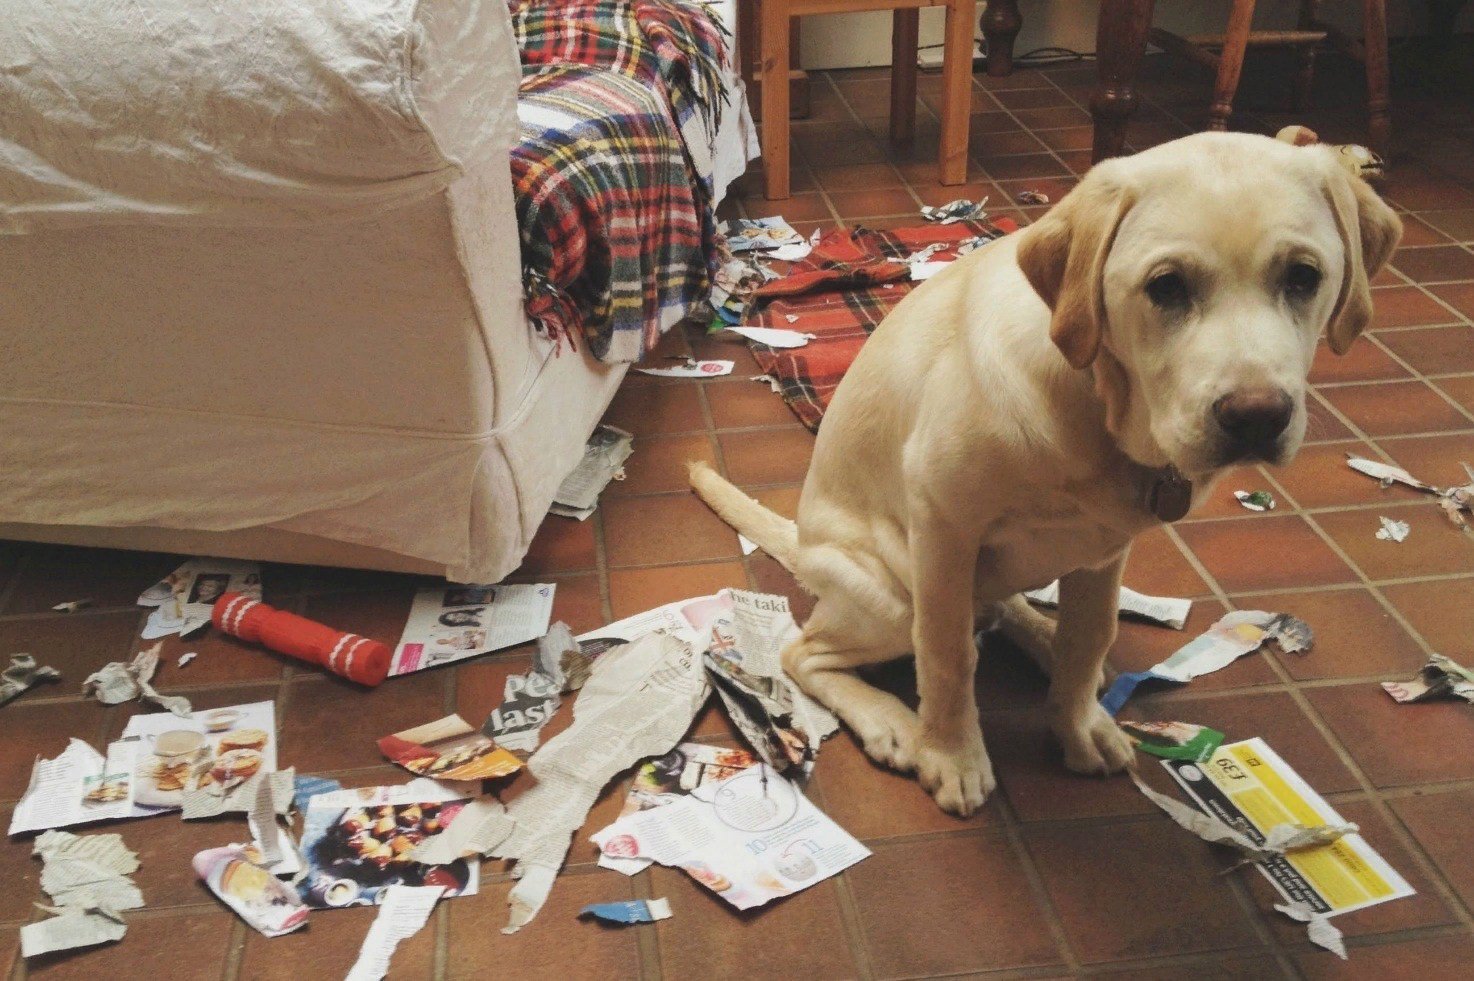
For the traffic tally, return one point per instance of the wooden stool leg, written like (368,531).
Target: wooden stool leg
(1304,57)
(1231,63)
(1001,23)
(775,55)
(1379,102)
(905,35)
(1120,44)
(956,90)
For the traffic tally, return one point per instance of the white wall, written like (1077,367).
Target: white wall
(852,40)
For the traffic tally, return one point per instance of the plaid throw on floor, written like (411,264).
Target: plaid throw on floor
(613,240)
(613,172)
(841,293)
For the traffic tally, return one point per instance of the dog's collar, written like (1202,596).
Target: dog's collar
(1169,494)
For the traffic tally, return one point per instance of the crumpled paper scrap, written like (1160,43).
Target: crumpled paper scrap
(1440,676)
(116,682)
(87,880)
(1259,500)
(403,912)
(216,798)
(1453,500)
(22,675)
(954,211)
(1392,530)
(1322,932)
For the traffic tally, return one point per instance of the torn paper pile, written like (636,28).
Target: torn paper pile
(267,904)
(1234,635)
(358,843)
(1438,678)
(1453,500)
(183,600)
(451,623)
(1306,850)
(530,700)
(449,749)
(759,234)
(750,839)
(1166,610)
(89,885)
(116,682)
(603,460)
(23,675)
(403,913)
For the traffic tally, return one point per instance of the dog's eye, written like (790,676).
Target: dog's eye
(1302,279)
(1167,290)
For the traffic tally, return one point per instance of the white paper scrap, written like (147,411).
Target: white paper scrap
(403,913)
(451,623)
(926,270)
(72,606)
(1391,530)
(1385,473)
(117,682)
(87,879)
(748,545)
(774,336)
(1322,932)
(602,461)
(1166,610)
(22,676)
(692,369)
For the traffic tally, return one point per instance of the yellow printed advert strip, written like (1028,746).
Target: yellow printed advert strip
(1248,785)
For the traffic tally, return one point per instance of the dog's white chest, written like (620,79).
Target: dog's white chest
(1025,552)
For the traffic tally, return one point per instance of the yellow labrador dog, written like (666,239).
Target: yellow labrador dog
(1029,410)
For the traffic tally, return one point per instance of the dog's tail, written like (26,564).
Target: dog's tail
(772,532)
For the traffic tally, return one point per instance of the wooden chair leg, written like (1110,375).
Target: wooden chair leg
(956,90)
(1304,57)
(905,36)
(1379,101)
(1231,63)
(775,55)
(1001,23)
(1120,44)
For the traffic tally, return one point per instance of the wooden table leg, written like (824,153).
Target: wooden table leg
(1120,44)
(956,91)
(905,35)
(1001,23)
(775,55)
(1379,100)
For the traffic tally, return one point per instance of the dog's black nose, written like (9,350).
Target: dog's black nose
(1253,418)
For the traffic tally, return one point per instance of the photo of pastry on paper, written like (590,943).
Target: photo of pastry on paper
(225,746)
(449,749)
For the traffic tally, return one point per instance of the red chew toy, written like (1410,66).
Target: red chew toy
(355,658)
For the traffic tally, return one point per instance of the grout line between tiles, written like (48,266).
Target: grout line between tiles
(1013,832)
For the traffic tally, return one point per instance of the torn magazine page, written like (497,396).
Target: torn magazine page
(449,749)
(267,904)
(750,839)
(1440,677)
(403,913)
(629,911)
(778,720)
(1166,610)
(1315,856)
(758,234)
(214,750)
(357,843)
(23,675)
(1174,740)
(668,778)
(639,700)
(183,599)
(1234,635)
(530,700)
(954,211)
(451,623)
(692,369)
(688,619)
(603,460)
(116,682)
(78,786)
(87,879)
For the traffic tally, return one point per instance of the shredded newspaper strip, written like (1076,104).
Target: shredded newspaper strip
(451,623)
(403,913)
(116,682)
(182,601)
(87,880)
(530,700)
(23,675)
(1234,635)
(1166,610)
(1453,500)
(602,461)
(1321,931)
(750,839)
(1439,678)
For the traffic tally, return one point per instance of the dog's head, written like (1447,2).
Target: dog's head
(1194,280)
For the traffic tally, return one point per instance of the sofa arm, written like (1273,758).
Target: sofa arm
(253,112)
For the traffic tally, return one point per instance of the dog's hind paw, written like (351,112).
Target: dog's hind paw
(960,779)
(1095,745)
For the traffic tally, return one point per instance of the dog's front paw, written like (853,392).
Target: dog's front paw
(959,777)
(889,737)
(1094,744)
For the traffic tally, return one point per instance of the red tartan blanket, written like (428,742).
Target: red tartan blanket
(841,293)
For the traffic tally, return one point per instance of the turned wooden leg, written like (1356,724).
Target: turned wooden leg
(775,54)
(1120,44)
(1304,57)
(1231,63)
(1379,100)
(905,36)
(1001,23)
(956,91)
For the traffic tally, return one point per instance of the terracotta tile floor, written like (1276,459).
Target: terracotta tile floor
(1059,875)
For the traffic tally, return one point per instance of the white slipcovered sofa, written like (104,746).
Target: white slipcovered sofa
(260,290)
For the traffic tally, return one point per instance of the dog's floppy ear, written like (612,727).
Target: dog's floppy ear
(1370,231)
(1063,256)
